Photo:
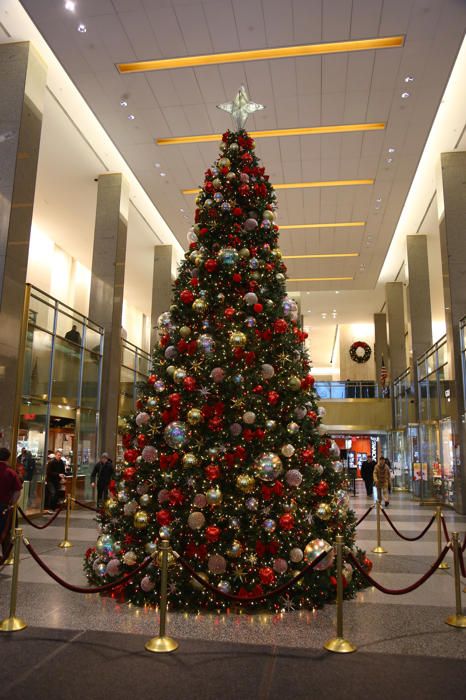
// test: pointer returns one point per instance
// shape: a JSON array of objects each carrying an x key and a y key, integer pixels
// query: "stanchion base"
[
  {"x": 379, "y": 550},
  {"x": 10, "y": 561},
  {"x": 443, "y": 566},
  {"x": 456, "y": 621},
  {"x": 12, "y": 624},
  {"x": 338, "y": 645},
  {"x": 65, "y": 544},
  {"x": 161, "y": 645}
]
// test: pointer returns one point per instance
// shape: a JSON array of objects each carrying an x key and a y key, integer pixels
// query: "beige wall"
[{"x": 349, "y": 369}]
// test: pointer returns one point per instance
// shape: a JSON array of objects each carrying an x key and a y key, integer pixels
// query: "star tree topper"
[{"x": 240, "y": 108}]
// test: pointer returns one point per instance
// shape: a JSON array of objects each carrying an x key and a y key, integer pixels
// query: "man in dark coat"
[
  {"x": 55, "y": 479},
  {"x": 104, "y": 472},
  {"x": 367, "y": 471}
]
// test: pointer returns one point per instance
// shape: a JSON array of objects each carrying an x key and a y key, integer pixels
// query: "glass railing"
[{"x": 348, "y": 390}]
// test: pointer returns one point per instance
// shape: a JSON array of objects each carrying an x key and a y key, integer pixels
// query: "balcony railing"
[{"x": 349, "y": 390}]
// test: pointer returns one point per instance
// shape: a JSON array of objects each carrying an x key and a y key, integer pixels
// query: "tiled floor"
[{"x": 409, "y": 624}]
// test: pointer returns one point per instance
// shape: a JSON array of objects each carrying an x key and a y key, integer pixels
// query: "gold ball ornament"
[
  {"x": 269, "y": 215},
  {"x": 235, "y": 550},
  {"x": 141, "y": 520},
  {"x": 294, "y": 383},
  {"x": 194, "y": 416},
  {"x": 189, "y": 460},
  {"x": 214, "y": 497},
  {"x": 217, "y": 183},
  {"x": 224, "y": 163},
  {"x": 244, "y": 253},
  {"x": 245, "y": 483},
  {"x": 316, "y": 547},
  {"x": 185, "y": 331},
  {"x": 237, "y": 339},
  {"x": 198, "y": 260},
  {"x": 110, "y": 506},
  {"x": 277, "y": 254},
  {"x": 323, "y": 511},
  {"x": 199, "y": 306},
  {"x": 179, "y": 375}
]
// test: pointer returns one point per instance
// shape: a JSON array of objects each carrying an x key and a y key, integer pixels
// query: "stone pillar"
[
  {"x": 106, "y": 298},
  {"x": 396, "y": 328},
  {"x": 453, "y": 251},
  {"x": 381, "y": 346},
  {"x": 22, "y": 79},
  {"x": 161, "y": 286},
  {"x": 419, "y": 295}
]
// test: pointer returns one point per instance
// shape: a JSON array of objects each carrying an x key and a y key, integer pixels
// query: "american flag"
[{"x": 383, "y": 373}]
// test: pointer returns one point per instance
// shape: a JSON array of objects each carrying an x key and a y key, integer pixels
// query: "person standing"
[
  {"x": 367, "y": 473},
  {"x": 73, "y": 335},
  {"x": 382, "y": 481},
  {"x": 55, "y": 478},
  {"x": 10, "y": 489},
  {"x": 104, "y": 472}
]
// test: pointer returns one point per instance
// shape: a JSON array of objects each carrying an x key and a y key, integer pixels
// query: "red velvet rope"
[
  {"x": 404, "y": 537},
  {"x": 363, "y": 517},
  {"x": 445, "y": 529},
  {"x": 463, "y": 546},
  {"x": 461, "y": 558},
  {"x": 40, "y": 527},
  {"x": 400, "y": 591},
  {"x": 81, "y": 589},
  {"x": 84, "y": 505},
  {"x": 249, "y": 599}
]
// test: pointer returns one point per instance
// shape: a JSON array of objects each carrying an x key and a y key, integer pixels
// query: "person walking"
[
  {"x": 382, "y": 481},
  {"x": 55, "y": 479},
  {"x": 367, "y": 473},
  {"x": 103, "y": 470},
  {"x": 10, "y": 489}
]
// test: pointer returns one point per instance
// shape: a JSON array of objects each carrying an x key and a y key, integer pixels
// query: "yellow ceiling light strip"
[
  {"x": 339, "y": 224},
  {"x": 320, "y": 255},
  {"x": 320, "y": 279},
  {"x": 387, "y": 42},
  {"x": 305, "y": 131},
  {"x": 300, "y": 185}
]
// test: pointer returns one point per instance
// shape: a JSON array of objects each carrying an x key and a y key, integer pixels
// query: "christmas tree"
[{"x": 225, "y": 453}]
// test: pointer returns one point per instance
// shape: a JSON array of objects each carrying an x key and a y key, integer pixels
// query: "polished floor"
[{"x": 411, "y": 625}]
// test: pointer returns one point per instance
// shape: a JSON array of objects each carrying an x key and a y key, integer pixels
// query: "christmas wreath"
[{"x": 360, "y": 351}]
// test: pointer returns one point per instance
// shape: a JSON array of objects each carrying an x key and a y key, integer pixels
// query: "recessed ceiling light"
[
  {"x": 123, "y": 103},
  {"x": 409, "y": 79},
  {"x": 82, "y": 29},
  {"x": 163, "y": 174},
  {"x": 391, "y": 150},
  {"x": 405, "y": 95},
  {"x": 308, "y": 292},
  {"x": 389, "y": 160},
  {"x": 337, "y": 292},
  {"x": 378, "y": 200},
  {"x": 182, "y": 210},
  {"x": 157, "y": 165},
  {"x": 309, "y": 310},
  {"x": 70, "y": 5},
  {"x": 131, "y": 117}
]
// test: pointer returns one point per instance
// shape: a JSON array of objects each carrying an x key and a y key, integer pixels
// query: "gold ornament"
[
  {"x": 245, "y": 483},
  {"x": 185, "y": 331},
  {"x": 237, "y": 339},
  {"x": 179, "y": 375},
  {"x": 198, "y": 260},
  {"x": 189, "y": 460},
  {"x": 277, "y": 253},
  {"x": 224, "y": 163},
  {"x": 217, "y": 183},
  {"x": 214, "y": 497},
  {"x": 235, "y": 550},
  {"x": 199, "y": 306},
  {"x": 244, "y": 253},
  {"x": 294, "y": 383},
  {"x": 324, "y": 512},
  {"x": 269, "y": 215},
  {"x": 141, "y": 520},
  {"x": 110, "y": 505},
  {"x": 194, "y": 416}
]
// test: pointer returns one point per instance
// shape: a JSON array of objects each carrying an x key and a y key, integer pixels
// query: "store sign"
[{"x": 29, "y": 416}]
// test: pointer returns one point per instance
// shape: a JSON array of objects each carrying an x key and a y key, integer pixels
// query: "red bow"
[
  {"x": 264, "y": 547},
  {"x": 244, "y": 593},
  {"x": 168, "y": 461},
  {"x": 193, "y": 550},
  {"x": 275, "y": 490}
]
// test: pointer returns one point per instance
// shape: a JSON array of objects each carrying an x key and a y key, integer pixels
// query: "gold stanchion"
[
  {"x": 458, "y": 619},
  {"x": 13, "y": 623},
  {"x": 338, "y": 644},
  {"x": 65, "y": 543},
  {"x": 438, "y": 517},
  {"x": 11, "y": 559},
  {"x": 379, "y": 549},
  {"x": 162, "y": 644}
]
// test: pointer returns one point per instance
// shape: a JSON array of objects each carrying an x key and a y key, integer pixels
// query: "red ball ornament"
[
  {"x": 174, "y": 399},
  {"x": 367, "y": 564},
  {"x": 129, "y": 473},
  {"x": 212, "y": 472},
  {"x": 333, "y": 581},
  {"x": 152, "y": 379},
  {"x": 236, "y": 277},
  {"x": 266, "y": 575},
  {"x": 212, "y": 533},
  {"x": 286, "y": 521},
  {"x": 194, "y": 282},
  {"x": 186, "y": 296},
  {"x": 321, "y": 489},
  {"x": 175, "y": 497},
  {"x": 142, "y": 440},
  {"x": 163, "y": 517},
  {"x": 258, "y": 308},
  {"x": 237, "y": 211},
  {"x": 189, "y": 383},
  {"x": 308, "y": 455},
  {"x": 130, "y": 455},
  {"x": 210, "y": 265},
  {"x": 258, "y": 389},
  {"x": 229, "y": 312},
  {"x": 280, "y": 326},
  {"x": 127, "y": 439},
  {"x": 273, "y": 397},
  {"x": 203, "y": 231}
]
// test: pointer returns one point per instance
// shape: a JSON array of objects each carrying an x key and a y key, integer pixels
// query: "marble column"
[
  {"x": 106, "y": 297},
  {"x": 394, "y": 295},
  {"x": 161, "y": 286},
  {"x": 22, "y": 78},
  {"x": 419, "y": 295},
  {"x": 453, "y": 251},
  {"x": 381, "y": 346}
]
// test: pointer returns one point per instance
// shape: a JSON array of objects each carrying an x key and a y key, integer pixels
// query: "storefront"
[{"x": 356, "y": 448}]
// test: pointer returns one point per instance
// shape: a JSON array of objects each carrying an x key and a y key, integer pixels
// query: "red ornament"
[
  {"x": 203, "y": 231},
  {"x": 127, "y": 440},
  {"x": 333, "y": 581},
  {"x": 129, "y": 473},
  {"x": 131, "y": 455},
  {"x": 212, "y": 533},
  {"x": 212, "y": 472},
  {"x": 258, "y": 389},
  {"x": 258, "y": 308},
  {"x": 229, "y": 312},
  {"x": 286, "y": 521},
  {"x": 273, "y": 397},
  {"x": 280, "y": 326},
  {"x": 210, "y": 265},
  {"x": 189, "y": 383},
  {"x": 174, "y": 399},
  {"x": 142, "y": 440},
  {"x": 321, "y": 489},
  {"x": 367, "y": 564},
  {"x": 152, "y": 379},
  {"x": 186, "y": 296},
  {"x": 236, "y": 278},
  {"x": 175, "y": 497},
  {"x": 308, "y": 455},
  {"x": 266, "y": 575},
  {"x": 237, "y": 211},
  {"x": 163, "y": 517},
  {"x": 194, "y": 282}
]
